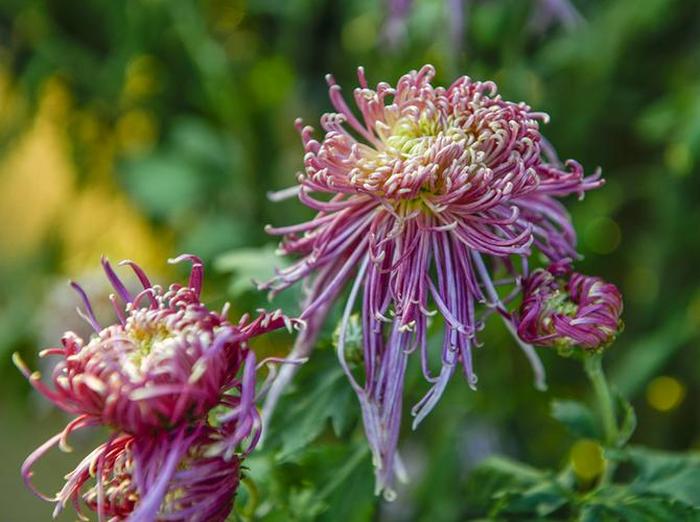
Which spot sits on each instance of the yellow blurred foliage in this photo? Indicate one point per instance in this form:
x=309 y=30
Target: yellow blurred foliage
x=137 y=131
x=141 y=80
x=36 y=179
x=11 y=102
x=40 y=198
x=102 y=221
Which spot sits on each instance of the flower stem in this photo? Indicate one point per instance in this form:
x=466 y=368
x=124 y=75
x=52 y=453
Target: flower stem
x=606 y=407
x=248 y=511
x=344 y=472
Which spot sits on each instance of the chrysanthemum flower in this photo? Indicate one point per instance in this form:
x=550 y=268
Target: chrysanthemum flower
x=168 y=359
x=163 y=373
x=175 y=476
x=419 y=187
x=564 y=309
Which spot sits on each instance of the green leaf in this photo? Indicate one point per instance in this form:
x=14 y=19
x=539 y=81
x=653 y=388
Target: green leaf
x=322 y=395
x=542 y=499
x=501 y=485
x=664 y=488
x=163 y=185
x=676 y=476
x=577 y=417
x=248 y=265
x=310 y=415
x=622 y=504
x=353 y=339
x=629 y=421
x=517 y=473
x=304 y=504
x=198 y=141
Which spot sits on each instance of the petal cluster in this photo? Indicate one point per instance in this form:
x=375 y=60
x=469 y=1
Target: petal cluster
x=423 y=193
x=184 y=482
x=155 y=377
x=563 y=308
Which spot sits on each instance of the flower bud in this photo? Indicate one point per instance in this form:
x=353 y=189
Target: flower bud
x=563 y=308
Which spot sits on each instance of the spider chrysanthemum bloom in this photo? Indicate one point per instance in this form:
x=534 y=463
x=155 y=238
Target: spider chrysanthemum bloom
x=176 y=476
x=419 y=187
x=168 y=359
x=565 y=309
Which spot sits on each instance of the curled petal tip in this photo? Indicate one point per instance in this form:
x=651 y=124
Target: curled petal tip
x=195 y=260
x=21 y=365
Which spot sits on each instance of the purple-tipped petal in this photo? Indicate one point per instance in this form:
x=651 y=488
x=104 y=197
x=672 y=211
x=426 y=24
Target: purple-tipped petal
x=115 y=281
x=90 y=315
x=197 y=273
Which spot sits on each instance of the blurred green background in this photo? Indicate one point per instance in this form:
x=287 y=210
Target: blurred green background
x=146 y=128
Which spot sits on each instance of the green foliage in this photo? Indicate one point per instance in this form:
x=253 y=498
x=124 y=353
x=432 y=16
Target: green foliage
x=628 y=423
x=659 y=486
x=503 y=487
x=577 y=418
x=663 y=487
x=667 y=474
x=327 y=397
x=248 y=266
x=314 y=463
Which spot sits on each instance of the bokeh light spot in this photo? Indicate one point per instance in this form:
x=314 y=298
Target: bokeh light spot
x=271 y=80
x=360 y=34
x=587 y=459
x=693 y=312
x=678 y=158
x=641 y=284
x=603 y=235
x=665 y=393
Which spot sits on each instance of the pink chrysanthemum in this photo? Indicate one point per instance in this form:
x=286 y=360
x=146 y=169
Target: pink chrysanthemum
x=423 y=184
x=167 y=360
x=156 y=375
x=174 y=476
x=563 y=308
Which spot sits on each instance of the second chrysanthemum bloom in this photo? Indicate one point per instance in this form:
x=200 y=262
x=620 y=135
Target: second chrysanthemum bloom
x=416 y=190
x=175 y=381
x=564 y=309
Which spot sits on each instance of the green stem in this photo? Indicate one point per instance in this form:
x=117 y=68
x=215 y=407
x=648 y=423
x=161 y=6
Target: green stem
x=344 y=472
x=594 y=369
x=248 y=511
x=606 y=408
